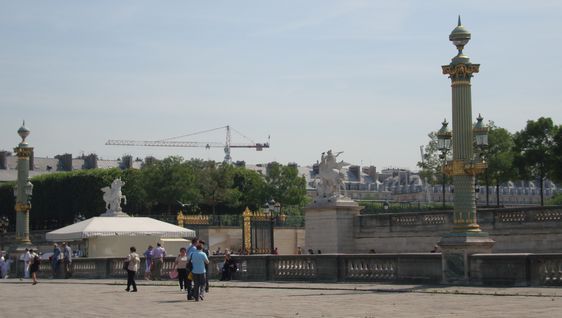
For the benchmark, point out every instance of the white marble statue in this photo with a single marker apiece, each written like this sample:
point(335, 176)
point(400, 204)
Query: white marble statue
point(112, 196)
point(331, 178)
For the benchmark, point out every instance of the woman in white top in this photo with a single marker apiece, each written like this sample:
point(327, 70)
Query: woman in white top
point(134, 261)
point(181, 267)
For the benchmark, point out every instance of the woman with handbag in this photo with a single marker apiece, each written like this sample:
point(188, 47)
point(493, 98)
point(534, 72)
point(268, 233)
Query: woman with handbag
point(181, 267)
point(132, 265)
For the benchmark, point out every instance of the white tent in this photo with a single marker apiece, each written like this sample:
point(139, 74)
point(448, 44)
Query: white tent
point(118, 226)
point(110, 236)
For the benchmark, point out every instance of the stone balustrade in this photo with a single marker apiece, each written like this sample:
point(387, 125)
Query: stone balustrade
point(425, 268)
point(515, 230)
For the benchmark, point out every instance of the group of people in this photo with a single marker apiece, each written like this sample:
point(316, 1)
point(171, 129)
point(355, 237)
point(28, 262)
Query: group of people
point(61, 256)
point(191, 266)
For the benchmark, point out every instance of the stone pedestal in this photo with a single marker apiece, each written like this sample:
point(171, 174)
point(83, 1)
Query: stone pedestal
point(329, 226)
point(455, 251)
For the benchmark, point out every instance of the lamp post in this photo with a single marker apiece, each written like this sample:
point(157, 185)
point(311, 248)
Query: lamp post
point(466, 238)
point(444, 145)
point(24, 188)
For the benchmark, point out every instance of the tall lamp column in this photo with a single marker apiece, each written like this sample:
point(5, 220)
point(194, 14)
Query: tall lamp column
point(466, 238)
point(444, 145)
point(23, 189)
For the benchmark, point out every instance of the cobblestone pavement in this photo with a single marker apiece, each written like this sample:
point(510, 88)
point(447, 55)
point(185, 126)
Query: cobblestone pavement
point(107, 298)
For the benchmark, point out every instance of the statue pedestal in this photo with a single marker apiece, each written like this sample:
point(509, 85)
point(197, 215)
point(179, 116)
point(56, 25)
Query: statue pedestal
point(455, 250)
point(114, 213)
point(329, 226)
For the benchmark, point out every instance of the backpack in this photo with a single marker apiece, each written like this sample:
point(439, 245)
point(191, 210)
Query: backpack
point(37, 260)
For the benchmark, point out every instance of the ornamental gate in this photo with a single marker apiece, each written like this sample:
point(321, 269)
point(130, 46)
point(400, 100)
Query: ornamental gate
point(257, 232)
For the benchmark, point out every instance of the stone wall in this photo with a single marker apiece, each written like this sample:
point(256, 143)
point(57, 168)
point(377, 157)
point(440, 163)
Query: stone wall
point(515, 230)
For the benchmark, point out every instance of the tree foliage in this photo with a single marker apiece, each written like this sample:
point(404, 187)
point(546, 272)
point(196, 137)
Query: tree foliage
point(499, 156)
point(208, 187)
point(534, 151)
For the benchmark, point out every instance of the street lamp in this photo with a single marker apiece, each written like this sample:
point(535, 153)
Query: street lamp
point(466, 237)
point(444, 137)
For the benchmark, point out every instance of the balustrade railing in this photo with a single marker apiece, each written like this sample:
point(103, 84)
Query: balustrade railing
point(486, 269)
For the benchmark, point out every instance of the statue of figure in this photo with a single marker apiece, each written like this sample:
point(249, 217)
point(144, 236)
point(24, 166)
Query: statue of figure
point(331, 178)
point(112, 196)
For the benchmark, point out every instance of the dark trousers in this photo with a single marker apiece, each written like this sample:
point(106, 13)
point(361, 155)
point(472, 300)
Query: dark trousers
point(156, 272)
point(226, 273)
point(198, 286)
point(67, 268)
point(182, 277)
point(131, 280)
point(189, 288)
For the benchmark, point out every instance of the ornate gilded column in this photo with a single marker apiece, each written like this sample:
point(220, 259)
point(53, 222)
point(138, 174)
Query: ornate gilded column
point(23, 189)
point(466, 237)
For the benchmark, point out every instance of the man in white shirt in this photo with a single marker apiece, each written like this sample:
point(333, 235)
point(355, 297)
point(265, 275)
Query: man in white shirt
point(26, 260)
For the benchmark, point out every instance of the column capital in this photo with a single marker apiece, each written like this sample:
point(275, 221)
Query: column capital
point(460, 72)
point(23, 152)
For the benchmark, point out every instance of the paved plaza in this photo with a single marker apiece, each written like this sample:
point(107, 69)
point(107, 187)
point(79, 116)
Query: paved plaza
point(107, 298)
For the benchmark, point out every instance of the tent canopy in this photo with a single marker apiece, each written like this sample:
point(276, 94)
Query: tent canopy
point(118, 226)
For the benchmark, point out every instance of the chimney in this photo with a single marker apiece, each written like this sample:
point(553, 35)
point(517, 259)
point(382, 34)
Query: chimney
point(3, 160)
point(356, 172)
point(91, 161)
point(65, 162)
point(126, 162)
point(31, 160)
point(149, 161)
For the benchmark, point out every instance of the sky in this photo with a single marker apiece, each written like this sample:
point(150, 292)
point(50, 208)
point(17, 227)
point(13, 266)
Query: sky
point(362, 77)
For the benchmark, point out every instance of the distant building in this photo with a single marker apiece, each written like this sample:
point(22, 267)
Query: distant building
point(403, 185)
point(64, 162)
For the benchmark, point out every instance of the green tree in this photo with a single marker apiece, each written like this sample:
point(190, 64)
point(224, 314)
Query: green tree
point(499, 156)
point(135, 192)
point(432, 164)
point(252, 188)
point(534, 151)
point(284, 185)
point(217, 186)
point(168, 181)
point(557, 156)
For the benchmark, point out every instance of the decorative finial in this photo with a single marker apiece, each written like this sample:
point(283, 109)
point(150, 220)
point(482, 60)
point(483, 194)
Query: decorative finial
point(459, 20)
point(23, 132)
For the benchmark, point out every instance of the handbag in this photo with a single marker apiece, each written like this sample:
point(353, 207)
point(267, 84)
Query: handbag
point(126, 265)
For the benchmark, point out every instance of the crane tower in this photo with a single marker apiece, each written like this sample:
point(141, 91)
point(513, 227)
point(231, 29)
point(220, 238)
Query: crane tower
point(173, 142)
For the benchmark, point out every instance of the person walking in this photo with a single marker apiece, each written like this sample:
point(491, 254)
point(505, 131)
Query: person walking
point(148, 262)
point(190, 250)
point(133, 260)
point(158, 255)
point(199, 259)
point(181, 266)
point(34, 262)
point(206, 251)
point(55, 260)
point(67, 260)
point(26, 261)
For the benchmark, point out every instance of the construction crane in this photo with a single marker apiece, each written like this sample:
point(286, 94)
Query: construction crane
point(172, 142)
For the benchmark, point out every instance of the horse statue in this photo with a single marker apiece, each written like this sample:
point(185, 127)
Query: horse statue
point(112, 196)
point(331, 178)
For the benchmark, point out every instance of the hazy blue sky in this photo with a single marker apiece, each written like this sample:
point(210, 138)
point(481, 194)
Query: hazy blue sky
point(362, 77)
